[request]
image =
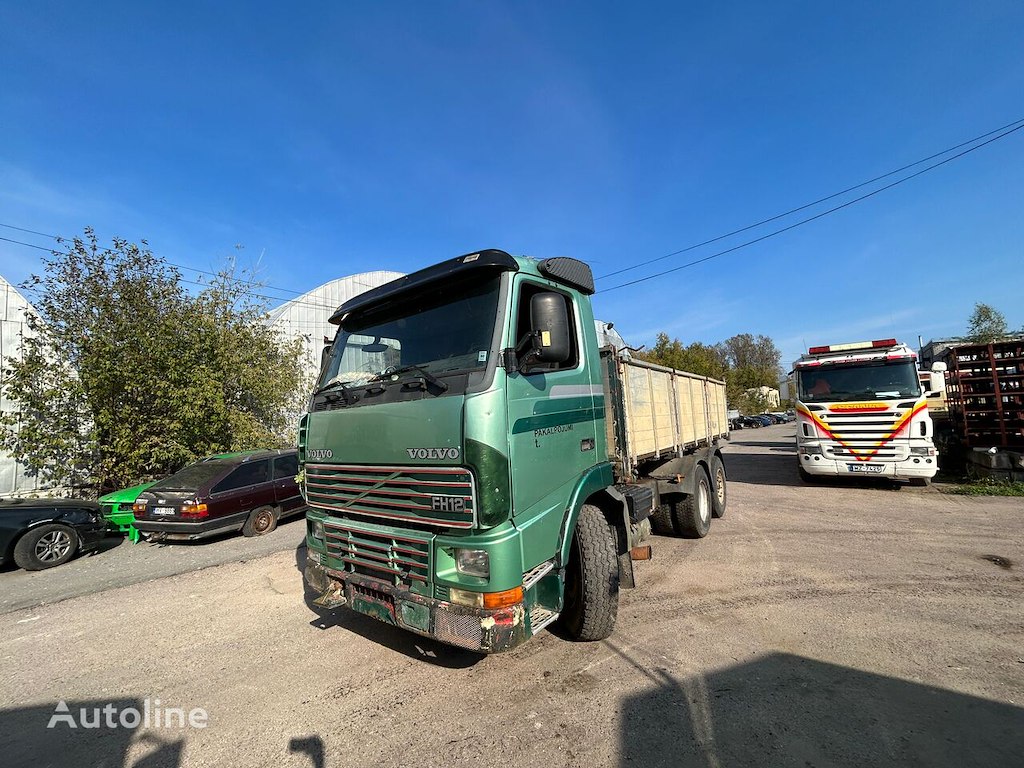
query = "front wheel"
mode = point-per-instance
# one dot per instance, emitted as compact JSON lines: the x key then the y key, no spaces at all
{"x":592,"y":578}
{"x":920,"y":482}
{"x":692,"y":515}
{"x":45,"y":547}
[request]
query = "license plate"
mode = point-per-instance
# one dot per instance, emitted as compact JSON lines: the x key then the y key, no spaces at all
{"x":867,"y":468}
{"x":164,"y":510}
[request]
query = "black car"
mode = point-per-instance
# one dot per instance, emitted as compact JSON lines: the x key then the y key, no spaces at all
{"x":42,"y":533}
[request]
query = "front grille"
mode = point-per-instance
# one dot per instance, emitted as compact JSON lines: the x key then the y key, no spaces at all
{"x":866,"y":437}
{"x":380,"y":555}
{"x":441,"y":496}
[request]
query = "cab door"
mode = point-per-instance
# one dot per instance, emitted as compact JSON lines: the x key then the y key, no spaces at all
{"x":551,"y":414}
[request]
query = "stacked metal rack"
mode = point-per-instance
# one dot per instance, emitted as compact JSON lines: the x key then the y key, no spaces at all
{"x":986,"y":393}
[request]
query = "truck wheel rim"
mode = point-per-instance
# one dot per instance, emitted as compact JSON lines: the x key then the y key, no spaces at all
{"x":53,"y":546}
{"x":704,"y":502}
{"x":720,"y":486}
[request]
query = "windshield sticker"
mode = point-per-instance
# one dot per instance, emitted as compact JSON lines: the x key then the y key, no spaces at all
{"x":481,"y":356}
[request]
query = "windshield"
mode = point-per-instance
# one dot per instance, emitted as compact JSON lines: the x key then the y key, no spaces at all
{"x":445,"y":328}
{"x":877,"y":381}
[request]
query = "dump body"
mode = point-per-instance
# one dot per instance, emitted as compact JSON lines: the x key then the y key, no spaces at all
{"x":659,"y":413}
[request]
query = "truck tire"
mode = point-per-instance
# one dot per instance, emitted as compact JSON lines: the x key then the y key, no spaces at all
{"x":45,"y":547}
{"x":806,"y":476}
{"x":920,"y":482}
{"x":692,"y":515}
{"x":719,"y":486}
{"x":661,"y":519}
{"x":592,"y":578}
{"x":262,"y":520}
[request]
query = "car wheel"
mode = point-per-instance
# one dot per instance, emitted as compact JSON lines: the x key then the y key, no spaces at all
{"x":262,"y":520}
{"x":45,"y":547}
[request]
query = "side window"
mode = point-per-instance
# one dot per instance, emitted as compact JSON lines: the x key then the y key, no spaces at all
{"x":286,"y":467}
{"x":250,"y":473}
{"x":528,"y":291}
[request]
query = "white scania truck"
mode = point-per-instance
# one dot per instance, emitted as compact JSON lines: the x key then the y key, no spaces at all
{"x":861,"y":409}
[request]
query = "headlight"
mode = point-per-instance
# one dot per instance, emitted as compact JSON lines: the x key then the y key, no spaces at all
{"x":922,"y":451}
{"x":317,"y":530}
{"x":810,"y":449}
{"x":473,"y":562}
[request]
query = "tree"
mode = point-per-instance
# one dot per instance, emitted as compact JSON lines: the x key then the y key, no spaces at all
{"x":986,"y":324}
{"x":754,"y":361}
{"x":124,"y":376}
{"x":696,"y":358}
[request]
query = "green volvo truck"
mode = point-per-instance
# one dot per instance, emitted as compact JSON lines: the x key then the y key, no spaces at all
{"x":479,"y":463}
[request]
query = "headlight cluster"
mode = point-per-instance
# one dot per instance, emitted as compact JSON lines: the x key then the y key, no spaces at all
{"x":473,"y":562}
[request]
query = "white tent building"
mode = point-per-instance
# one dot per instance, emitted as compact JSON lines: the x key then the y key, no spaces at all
{"x":307,"y":316}
{"x":14,"y":309}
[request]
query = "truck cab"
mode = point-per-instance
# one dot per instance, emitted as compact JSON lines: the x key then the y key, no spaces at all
{"x":862,"y":410}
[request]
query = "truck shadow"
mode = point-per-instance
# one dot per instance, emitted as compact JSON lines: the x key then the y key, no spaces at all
{"x":780,"y":468}
{"x":42,"y":735}
{"x":395,"y":638}
{"x":789,"y":710}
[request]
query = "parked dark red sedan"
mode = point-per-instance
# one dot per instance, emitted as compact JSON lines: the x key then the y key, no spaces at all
{"x":248,"y":492}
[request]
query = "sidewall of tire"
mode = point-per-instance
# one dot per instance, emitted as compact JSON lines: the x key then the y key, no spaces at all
{"x":594,"y":564}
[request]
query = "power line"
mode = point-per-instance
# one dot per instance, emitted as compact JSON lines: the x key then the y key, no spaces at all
{"x":811,"y":205}
{"x":250,"y":283}
{"x":823,"y":213}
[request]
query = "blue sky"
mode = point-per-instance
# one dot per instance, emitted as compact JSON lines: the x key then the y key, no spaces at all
{"x":335,"y":138}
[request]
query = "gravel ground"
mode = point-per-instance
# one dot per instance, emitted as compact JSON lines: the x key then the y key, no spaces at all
{"x":841,"y":624}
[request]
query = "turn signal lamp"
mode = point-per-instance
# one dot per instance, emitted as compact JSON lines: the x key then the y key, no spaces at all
{"x":488,"y":600}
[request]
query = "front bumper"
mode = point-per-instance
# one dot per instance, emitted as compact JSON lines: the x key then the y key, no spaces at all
{"x":486,"y":631}
{"x":925,"y":466}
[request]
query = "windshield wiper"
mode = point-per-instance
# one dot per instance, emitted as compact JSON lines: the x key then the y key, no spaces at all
{"x":428,"y":377}
{"x":343,"y":388}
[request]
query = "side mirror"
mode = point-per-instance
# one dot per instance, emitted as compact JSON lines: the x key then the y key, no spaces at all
{"x":784,"y":390}
{"x":325,"y":352}
{"x":549,"y":322}
{"x":937,"y":377}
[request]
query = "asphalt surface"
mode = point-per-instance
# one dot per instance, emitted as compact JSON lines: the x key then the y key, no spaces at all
{"x":842,"y":624}
{"x":117,"y":562}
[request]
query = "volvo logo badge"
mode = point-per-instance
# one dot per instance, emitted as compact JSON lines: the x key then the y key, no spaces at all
{"x":433,"y":453}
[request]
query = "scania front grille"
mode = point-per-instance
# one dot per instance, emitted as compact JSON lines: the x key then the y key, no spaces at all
{"x":441,"y":496}
{"x":397,"y":559}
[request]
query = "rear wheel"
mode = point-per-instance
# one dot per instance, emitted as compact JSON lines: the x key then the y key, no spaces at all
{"x":661,"y":518}
{"x":262,"y":520}
{"x":592,"y":578}
{"x":718,"y":501}
{"x":692,"y":515}
{"x":45,"y":547}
